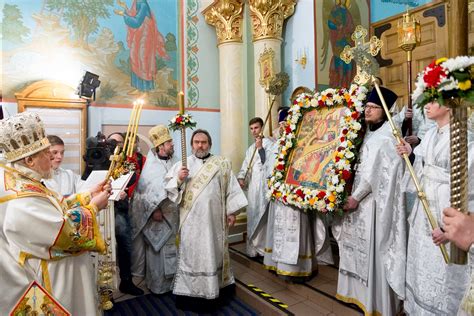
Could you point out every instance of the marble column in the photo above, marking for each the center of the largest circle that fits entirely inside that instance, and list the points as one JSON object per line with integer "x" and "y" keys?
{"x": 267, "y": 26}
{"x": 227, "y": 17}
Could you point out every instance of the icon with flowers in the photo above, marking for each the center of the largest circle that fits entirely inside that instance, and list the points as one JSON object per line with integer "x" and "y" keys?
{"x": 445, "y": 79}
{"x": 339, "y": 171}
{"x": 182, "y": 121}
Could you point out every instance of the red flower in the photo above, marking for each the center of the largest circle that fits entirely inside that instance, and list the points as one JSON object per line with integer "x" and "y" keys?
{"x": 345, "y": 131}
{"x": 355, "y": 115}
{"x": 280, "y": 167}
{"x": 433, "y": 77}
{"x": 300, "y": 193}
{"x": 321, "y": 194}
{"x": 179, "y": 119}
{"x": 346, "y": 175}
{"x": 342, "y": 139}
{"x": 321, "y": 103}
{"x": 288, "y": 129}
{"x": 337, "y": 159}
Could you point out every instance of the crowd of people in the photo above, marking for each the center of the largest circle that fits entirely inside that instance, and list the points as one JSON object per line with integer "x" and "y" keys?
{"x": 173, "y": 220}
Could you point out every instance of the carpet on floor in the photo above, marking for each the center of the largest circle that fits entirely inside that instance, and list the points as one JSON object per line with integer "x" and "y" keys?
{"x": 165, "y": 305}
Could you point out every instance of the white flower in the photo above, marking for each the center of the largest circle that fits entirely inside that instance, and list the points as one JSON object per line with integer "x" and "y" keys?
{"x": 321, "y": 204}
{"x": 339, "y": 188}
{"x": 452, "y": 84}
{"x": 335, "y": 179}
{"x": 458, "y": 63}
{"x": 349, "y": 154}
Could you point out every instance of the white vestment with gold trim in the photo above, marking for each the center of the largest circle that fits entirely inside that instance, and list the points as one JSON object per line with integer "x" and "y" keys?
{"x": 372, "y": 238}
{"x": 34, "y": 225}
{"x": 432, "y": 286}
{"x": 209, "y": 194}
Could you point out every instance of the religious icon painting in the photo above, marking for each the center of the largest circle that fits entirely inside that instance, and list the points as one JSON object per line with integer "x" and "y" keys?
{"x": 266, "y": 66}
{"x": 318, "y": 148}
{"x": 335, "y": 21}
{"x": 37, "y": 301}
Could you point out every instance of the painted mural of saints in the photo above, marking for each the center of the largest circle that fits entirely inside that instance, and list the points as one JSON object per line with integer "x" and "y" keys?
{"x": 340, "y": 20}
{"x": 145, "y": 42}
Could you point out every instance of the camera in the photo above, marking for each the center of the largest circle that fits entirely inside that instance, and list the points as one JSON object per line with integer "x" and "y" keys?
{"x": 98, "y": 151}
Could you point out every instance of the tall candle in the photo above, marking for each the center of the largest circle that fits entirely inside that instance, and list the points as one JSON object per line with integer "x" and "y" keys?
{"x": 181, "y": 102}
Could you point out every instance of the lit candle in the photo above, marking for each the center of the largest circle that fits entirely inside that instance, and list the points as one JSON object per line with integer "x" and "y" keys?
{"x": 181, "y": 102}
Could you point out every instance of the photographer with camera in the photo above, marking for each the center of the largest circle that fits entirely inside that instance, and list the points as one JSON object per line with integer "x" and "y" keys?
{"x": 123, "y": 230}
{"x": 99, "y": 150}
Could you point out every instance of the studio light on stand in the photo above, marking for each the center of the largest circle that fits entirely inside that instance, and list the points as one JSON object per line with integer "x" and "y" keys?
{"x": 89, "y": 83}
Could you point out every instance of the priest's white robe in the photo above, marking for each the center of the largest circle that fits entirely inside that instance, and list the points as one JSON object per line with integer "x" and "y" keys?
{"x": 154, "y": 243}
{"x": 256, "y": 193}
{"x": 209, "y": 194}
{"x": 372, "y": 238}
{"x": 432, "y": 286}
{"x": 64, "y": 181}
{"x": 467, "y": 304}
{"x": 294, "y": 240}
{"x": 40, "y": 225}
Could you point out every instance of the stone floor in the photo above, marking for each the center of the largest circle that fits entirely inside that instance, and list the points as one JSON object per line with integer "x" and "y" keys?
{"x": 316, "y": 297}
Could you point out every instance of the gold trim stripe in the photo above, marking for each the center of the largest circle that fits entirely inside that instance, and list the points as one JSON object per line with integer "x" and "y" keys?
{"x": 268, "y": 250}
{"x": 359, "y": 304}
{"x": 288, "y": 273}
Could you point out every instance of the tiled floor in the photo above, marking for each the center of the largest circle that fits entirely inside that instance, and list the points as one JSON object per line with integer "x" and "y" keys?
{"x": 301, "y": 300}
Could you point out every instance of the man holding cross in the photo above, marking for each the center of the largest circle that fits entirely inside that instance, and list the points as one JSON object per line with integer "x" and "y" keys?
{"x": 209, "y": 198}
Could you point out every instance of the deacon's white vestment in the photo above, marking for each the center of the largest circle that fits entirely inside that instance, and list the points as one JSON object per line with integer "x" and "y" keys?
{"x": 38, "y": 225}
{"x": 209, "y": 194}
{"x": 294, "y": 240}
{"x": 432, "y": 286}
{"x": 257, "y": 193}
{"x": 64, "y": 181}
{"x": 154, "y": 242}
{"x": 372, "y": 239}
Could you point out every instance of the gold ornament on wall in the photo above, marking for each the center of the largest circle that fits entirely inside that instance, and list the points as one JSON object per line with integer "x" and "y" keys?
{"x": 268, "y": 17}
{"x": 226, "y": 16}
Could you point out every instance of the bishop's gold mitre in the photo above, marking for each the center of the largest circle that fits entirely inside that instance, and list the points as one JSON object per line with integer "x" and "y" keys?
{"x": 22, "y": 135}
{"x": 159, "y": 135}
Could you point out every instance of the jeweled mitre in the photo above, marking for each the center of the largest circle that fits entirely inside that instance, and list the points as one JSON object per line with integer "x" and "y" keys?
{"x": 22, "y": 135}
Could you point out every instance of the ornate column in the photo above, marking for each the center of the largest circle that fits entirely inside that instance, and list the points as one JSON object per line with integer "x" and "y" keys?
{"x": 267, "y": 26}
{"x": 227, "y": 17}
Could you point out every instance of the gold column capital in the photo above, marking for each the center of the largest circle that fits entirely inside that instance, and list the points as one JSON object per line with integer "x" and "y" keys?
{"x": 227, "y": 17}
{"x": 268, "y": 17}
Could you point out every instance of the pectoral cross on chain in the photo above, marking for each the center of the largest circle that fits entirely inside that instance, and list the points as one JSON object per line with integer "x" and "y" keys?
{"x": 363, "y": 54}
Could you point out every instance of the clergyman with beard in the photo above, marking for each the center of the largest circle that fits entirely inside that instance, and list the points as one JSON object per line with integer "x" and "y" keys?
{"x": 209, "y": 197}
{"x": 154, "y": 217}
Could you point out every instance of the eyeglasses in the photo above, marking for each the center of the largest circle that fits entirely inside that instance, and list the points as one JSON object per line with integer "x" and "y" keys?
{"x": 372, "y": 107}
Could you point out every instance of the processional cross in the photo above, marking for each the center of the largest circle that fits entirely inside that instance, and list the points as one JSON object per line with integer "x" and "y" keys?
{"x": 363, "y": 54}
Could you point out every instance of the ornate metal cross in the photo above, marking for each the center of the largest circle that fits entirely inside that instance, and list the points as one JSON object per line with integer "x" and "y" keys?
{"x": 363, "y": 54}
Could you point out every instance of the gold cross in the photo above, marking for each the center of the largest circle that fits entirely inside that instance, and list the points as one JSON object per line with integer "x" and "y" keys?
{"x": 363, "y": 53}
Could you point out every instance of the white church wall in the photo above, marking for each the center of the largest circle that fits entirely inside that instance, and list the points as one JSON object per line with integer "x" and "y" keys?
{"x": 299, "y": 39}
